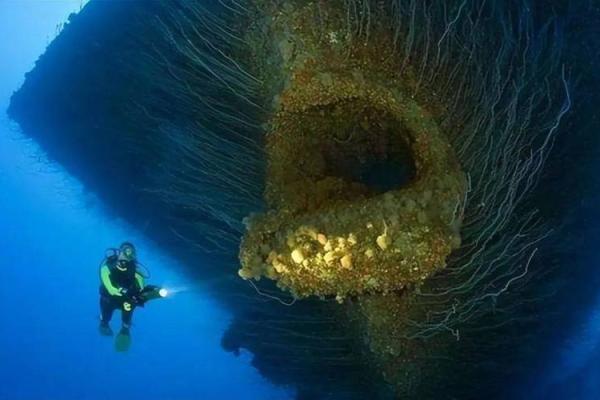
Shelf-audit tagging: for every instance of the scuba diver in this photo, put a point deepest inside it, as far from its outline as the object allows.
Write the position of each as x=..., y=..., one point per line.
x=122, y=288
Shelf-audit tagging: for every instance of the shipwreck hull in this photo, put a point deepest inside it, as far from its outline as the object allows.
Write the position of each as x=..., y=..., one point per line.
x=244, y=134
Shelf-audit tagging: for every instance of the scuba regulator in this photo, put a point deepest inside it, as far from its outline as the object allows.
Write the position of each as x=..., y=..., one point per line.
x=134, y=296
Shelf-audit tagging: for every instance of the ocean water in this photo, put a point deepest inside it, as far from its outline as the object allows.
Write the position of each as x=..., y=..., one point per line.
x=53, y=239
x=53, y=236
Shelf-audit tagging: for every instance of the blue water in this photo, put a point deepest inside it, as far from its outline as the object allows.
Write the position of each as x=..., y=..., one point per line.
x=52, y=239
x=53, y=236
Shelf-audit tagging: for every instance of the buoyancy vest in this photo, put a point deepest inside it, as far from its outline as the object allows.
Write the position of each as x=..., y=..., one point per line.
x=120, y=278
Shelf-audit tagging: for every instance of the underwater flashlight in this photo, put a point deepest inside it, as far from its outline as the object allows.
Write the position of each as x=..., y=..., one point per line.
x=148, y=293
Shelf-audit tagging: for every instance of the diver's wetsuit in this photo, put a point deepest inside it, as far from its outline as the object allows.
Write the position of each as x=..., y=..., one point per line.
x=113, y=279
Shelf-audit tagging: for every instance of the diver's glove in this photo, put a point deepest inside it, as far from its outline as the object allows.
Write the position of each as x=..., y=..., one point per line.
x=123, y=291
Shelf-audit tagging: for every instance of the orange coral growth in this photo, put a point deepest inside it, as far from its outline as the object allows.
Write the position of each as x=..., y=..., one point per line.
x=326, y=234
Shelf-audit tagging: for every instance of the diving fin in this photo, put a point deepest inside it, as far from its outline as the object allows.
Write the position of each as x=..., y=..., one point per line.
x=105, y=329
x=123, y=341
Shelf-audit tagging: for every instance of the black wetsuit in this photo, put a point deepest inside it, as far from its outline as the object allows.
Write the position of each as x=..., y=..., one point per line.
x=128, y=279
